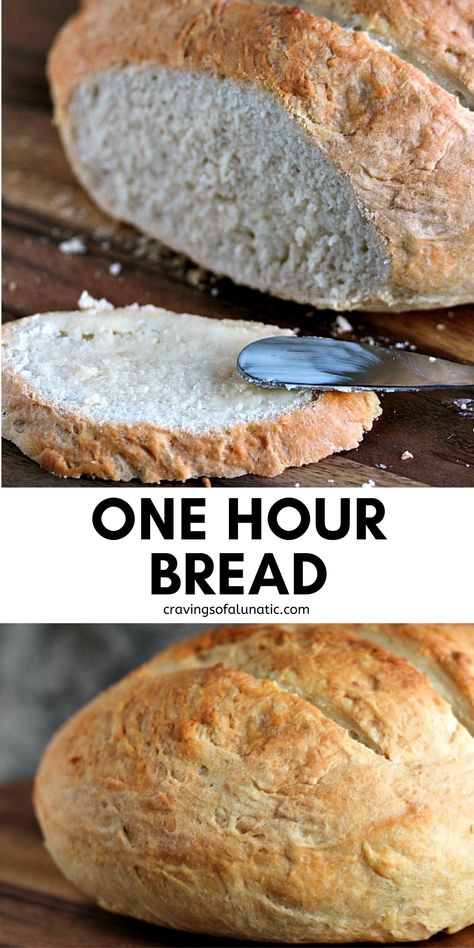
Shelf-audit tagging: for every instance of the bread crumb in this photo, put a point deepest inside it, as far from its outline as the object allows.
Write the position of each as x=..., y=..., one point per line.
x=297, y=484
x=206, y=482
x=440, y=326
x=406, y=456
x=465, y=404
x=402, y=345
x=86, y=302
x=195, y=276
x=115, y=269
x=383, y=467
x=369, y=483
x=341, y=324
x=73, y=246
x=432, y=359
x=12, y=286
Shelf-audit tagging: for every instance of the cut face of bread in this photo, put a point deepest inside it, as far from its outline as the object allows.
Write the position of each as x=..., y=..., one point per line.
x=275, y=146
x=184, y=172
x=310, y=779
x=141, y=392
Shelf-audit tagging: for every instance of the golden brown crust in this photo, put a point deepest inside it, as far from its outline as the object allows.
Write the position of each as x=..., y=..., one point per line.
x=190, y=786
x=70, y=445
x=405, y=145
x=437, y=36
x=319, y=669
x=448, y=651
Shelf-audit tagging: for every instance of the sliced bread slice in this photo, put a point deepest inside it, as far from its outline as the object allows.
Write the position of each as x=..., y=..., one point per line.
x=144, y=393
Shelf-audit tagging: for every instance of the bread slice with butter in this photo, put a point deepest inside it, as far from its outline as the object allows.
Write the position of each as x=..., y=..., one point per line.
x=145, y=393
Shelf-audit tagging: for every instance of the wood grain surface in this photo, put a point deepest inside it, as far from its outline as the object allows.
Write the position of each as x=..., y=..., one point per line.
x=40, y=909
x=44, y=205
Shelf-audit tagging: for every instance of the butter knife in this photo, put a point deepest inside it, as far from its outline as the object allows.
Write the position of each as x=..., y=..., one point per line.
x=321, y=363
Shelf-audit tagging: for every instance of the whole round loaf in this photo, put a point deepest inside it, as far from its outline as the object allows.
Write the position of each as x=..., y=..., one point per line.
x=281, y=783
x=289, y=152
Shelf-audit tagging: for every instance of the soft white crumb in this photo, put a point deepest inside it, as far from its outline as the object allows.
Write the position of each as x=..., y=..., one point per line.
x=432, y=358
x=440, y=326
x=406, y=456
x=369, y=483
x=300, y=236
x=73, y=246
x=383, y=467
x=115, y=269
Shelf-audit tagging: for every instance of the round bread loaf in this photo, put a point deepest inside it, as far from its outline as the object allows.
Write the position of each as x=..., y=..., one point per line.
x=295, y=154
x=281, y=783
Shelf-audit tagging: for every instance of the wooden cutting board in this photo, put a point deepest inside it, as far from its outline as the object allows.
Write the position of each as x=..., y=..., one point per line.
x=40, y=909
x=44, y=205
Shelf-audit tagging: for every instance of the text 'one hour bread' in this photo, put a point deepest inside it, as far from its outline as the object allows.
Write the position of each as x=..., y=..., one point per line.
x=144, y=393
x=280, y=783
x=283, y=149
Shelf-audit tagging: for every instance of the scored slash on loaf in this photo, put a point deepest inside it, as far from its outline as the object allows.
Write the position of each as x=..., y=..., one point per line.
x=289, y=152
x=279, y=783
x=144, y=393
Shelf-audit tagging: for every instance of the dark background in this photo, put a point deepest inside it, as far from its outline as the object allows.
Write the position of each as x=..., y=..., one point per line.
x=48, y=671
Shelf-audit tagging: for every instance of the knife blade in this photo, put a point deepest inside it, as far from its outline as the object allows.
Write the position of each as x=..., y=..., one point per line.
x=325, y=363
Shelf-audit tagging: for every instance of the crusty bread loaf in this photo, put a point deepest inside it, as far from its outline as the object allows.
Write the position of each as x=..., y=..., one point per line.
x=280, y=783
x=144, y=393
x=278, y=147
